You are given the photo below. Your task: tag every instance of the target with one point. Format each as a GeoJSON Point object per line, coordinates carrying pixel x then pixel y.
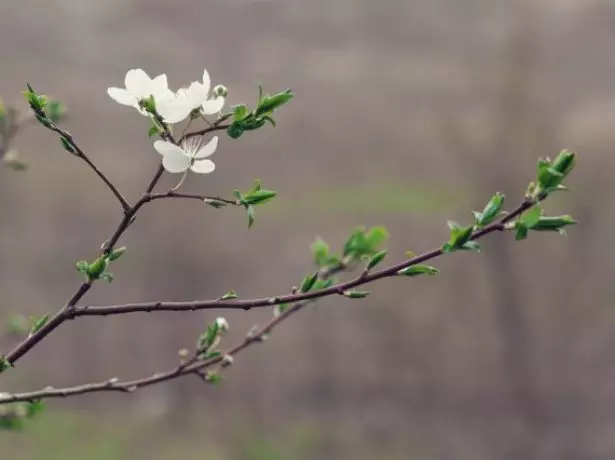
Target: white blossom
{"type": "Point", "coordinates": [190, 155]}
{"type": "Point", "coordinates": [179, 105]}
{"type": "Point", "coordinates": [222, 324]}
{"type": "Point", "coordinates": [140, 86]}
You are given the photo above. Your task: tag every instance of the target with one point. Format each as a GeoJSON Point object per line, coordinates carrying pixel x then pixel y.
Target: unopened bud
{"type": "Point", "coordinates": [220, 91]}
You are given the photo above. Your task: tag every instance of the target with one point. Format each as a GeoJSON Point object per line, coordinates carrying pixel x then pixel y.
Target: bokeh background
{"type": "Point", "coordinates": [408, 113]}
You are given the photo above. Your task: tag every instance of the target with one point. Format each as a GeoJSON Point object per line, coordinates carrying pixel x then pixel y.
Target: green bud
{"type": "Point", "coordinates": [491, 211]}
{"type": "Point", "coordinates": [320, 252]}
{"type": "Point", "coordinates": [258, 197]}
{"type": "Point", "coordinates": [555, 223]}
{"type": "Point", "coordinates": [117, 253]}
{"type": "Point", "coordinates": [269, 103]}
{"type": "Point", "coordinates": [235, 131]}
{"type": "Point", "coordinates": [416, 270]}
{"type": "Point", "coordinates": [220, 91]}
{"type": "Point", "coordinates": [352, 294]}
{"type": "Point", "coordinates": [308, 282]}
{"type": "Point", "coordinates": [376, 259]}
{"type": "Point", "coordinates": [239, 112]}
{"type": "Point", "coordinates": [98, 267]}
{"type": "Point", "coordinates": [564, 162]}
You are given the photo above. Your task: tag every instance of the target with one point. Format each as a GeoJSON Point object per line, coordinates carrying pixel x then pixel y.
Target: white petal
{"type": "Point", "coordinates": [206, 81]}
{"type": "Point", "coordinates": [203, 166]}
{"type": "Point", "coordinates": [160, 87]}
{"type": "Point", "coordinates": [121, 96]}
{"type": "Point", "coordinates": [196, 93]}
{"type": "Point", "coordinates": [165, 148]}
{"type": "Point", "coordinates": [176, 162]}
{"type": "Point", "coordinates": [173, 111]}
{"type": "Point", "coordinates": [207, 149]}
{"type": "Point", "coordinates": [138, 83]}
{"type": "Point", "coordinates": [212, 106]}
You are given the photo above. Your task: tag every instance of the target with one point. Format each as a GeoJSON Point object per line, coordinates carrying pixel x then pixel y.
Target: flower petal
{"type": "Point", "coordinates": [203, 166]}
{"type": "Point", "coordinates": [138, 83]}
{"type": "Point", "coordinates": [160, 87]}
{"type": "Point", "coordinates": [207, 149]}
{"type": "Point", "coordinates": [172, 110]}
{"type": "Point", "coordinates": [175, 162]}
{"type": "Point", "coordinates": [121, 96]}
{"type": "Point", "coordinates": [206, 81]}
{"type": "Point", "coordinates": [212, 106]}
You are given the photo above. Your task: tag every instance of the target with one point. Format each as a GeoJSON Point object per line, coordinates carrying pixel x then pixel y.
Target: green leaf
{"type": "Point", "coordinates": [416, 270]}
{"type": "Point", "coordinates": [564, 162]}
{"type": "Point", "coordinates": [531, 216]}
{"type": "Point", "coordinates": [212, 354]}
{"type": "Point", "coordinates": [354, 294]}
{"type": "Point", "coordinates": [471, 246]}
{"type": "Point", "coordinates": [235, 131]}
{"type": "Point", "coordinates": [239, 112]}
{"type": "Point", "coordinates": [229, 295]}
{"type": "Point", "coordinates": [34, 408]}
{"type": "Point", "coordinates": [83, 266]}
{"type": "Point", "coordinates": [67, 145]}
{"type": "Point", "coordinates": [213, 377]}
{"type": "Point", "coordinates": [251, 217]}
{"type": "Point", "coordinates": [258, 197]}
{"type": "Point", "coordinates": [323, 284]}
{"type": "Point", "coordinates": [215, 203]}
{"type": "Point", "coordinates": [152, 131]}
{"type": "Point", "coordinates": [376, 259]}
{"type": "Point", "coordinates": [555, 223]}
{"type": "Point", "coordinates": [4, 364]}
{"type": "Point", "coordinates": [55, 111]}
{"type": "Point", "coordinates": [107, 276]}
{"type": "Point", "coordinates": [491, 211]}
{"type": "Point", "coordinates": [117, 253]}
{"type": "Point", "coordinates": [522, 232]}
{"type": "Point", "coordinates": [308, 282]}
{"type": "Point", "coordinates": [98, 267]}
{"type": "Point", "coordinates": [376, 236]}
{"type": "Point", "coordinates": [548, 178]}
{"type": "Point", "coordinates": [39, 324]}
{"type": "Point", "coordinates": [458, 236]}
{"type": "Point", "coordinates": [320, 252]}
{"type": "Point", "coordinates": [270, 103]}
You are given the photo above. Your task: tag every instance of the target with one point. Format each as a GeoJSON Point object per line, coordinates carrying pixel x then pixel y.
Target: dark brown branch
{"type": "Point", "coordinates": [340, 288]}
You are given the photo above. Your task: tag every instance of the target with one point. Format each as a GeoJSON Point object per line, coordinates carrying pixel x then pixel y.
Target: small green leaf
{"type": "Point", "coordinates": [555, 223]}
{"type": "Point", "coordinates": [117, 253]}
{"type": "Point", "coordinates": [229, 295]}
{"type": "Point", "coordinates": [491, 211]}
{"type": "Point", "coordinates": [564, 162]}
{"type": "Point", "coordinates": [39, 324]}
{"type": "Point", "coordinates": [376, 259]}
{"type": "Point", "coordinates": [239, 112]}
{"type": "Point", "coordinates": [471, 246]}
{"type": "Point", "coordinates": [531, 216]}
{"type": "Point", "coordinates": [34, 408]}
{"type": "Point", "coordinates": [270, 103]}
{"type": "Point", "coordinates": [4, 364]}
{"type": "Point", "coordinates": [376, 236]}
{"type": "Point", "coordinates": [323, 284]}
{"type": "Point", "coordinates": [152, 131]}
{"type": "Point", "coordinates": [258, 197]}
{"type": "Point", "coordinates": [55, 111]}
{"type": "Point", "coordinates": [83, 266]}
{"type": "Point", "coordinates": [67, 145]}
{"type": "Point", "coordinates": [213, 377]}
{"type": "Point", "coordinates": [251, 217]}
{"type": "Point", "coordinates": [521, 233]}
{"type": "Point", "coordinates": [416, 270]}
{"type": "Point", "coordinates": [308, 282]}
{"type": "Point", "coordinates": [235, 131]}
{"type": "Point", "coordinates": [320, 252]}
{"type": "Point", "coordinates": [458, 236]}
{"type": "Point", "coordinates": [98, 267]}
{"type": "Point", "coordinates": [215, 203]}
{"type": "Point", "coordinates": [354, 294]}
{"type": "Point", "coordinates": [107, 276]}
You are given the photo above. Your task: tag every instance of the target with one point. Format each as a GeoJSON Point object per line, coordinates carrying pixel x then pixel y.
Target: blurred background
{"type": "Point", "coordinates": [408, 113]}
